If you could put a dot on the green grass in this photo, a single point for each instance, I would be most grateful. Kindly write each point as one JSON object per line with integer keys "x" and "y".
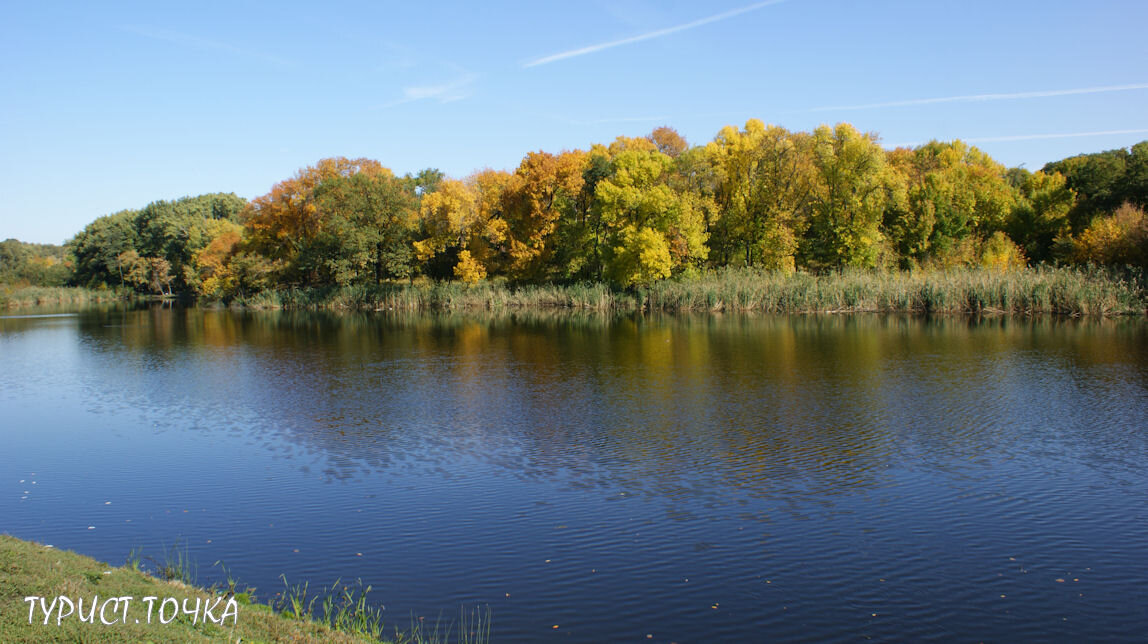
{"x": 1042, "y": 290}
{"x": 17, "y": 297}
{"x": 340, "y": 613}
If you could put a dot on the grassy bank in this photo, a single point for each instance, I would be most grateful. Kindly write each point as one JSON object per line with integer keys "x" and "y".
{"x": 1065, "y": 291}
{"x": 17, "y": 297}
{"x": 33, "y": 570}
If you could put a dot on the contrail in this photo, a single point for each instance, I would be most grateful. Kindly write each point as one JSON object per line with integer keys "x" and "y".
{"x": 651, "y": 35}
{"x": 973, "y": 98}
{"x": 201, "y": 43}
{"x": 1067, "y": 135}
{"x": 1028, "y": 137}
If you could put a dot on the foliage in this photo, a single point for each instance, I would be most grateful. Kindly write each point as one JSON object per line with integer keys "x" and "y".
{"x": 766, "y": 192}
{"x": 1103, "y": 181}
{"x": 468, "y": 269}
{"x": 281, "y": 223}
{"x": 952, "y": 191}
{"x": 1041, "y": 213}
{"x": 24, "y": 264}
{"x": 636, "y": 212}
{"x": 1117, "y": 239}
{"x": 850, "y": 190}
{"x": 1001, "y": 253}
{"x": 641, "y": 256}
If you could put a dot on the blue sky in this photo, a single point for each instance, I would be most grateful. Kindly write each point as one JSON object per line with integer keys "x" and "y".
{"x": 109, "y": 106}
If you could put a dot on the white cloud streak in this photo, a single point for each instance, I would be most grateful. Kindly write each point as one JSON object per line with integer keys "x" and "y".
{"x": 650, "y": 35}
{"x": 976, "y": 98}
{"x": 455, "y": 90}
{"x": 202, "y": 43}
{"x": 1030, "y": 137}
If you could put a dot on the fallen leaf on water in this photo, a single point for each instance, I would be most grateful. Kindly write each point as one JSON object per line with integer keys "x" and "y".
{"x": 1060, "y": 581}
{"x": 555, "y": 626}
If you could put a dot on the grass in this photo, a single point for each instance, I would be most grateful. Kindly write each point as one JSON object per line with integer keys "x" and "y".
{"x": 1042, "y": 290}
{"x": 340, "y": 613}
{"x": 18, "y": 297}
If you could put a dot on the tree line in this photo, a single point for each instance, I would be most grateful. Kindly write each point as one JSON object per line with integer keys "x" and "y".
{"x": 632, "y": 212}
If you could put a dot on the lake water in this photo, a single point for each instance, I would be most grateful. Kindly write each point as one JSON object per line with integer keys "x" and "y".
{"x": 686, "y": 479}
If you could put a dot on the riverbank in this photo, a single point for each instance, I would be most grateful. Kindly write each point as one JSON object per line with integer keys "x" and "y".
{"x": 91, "y": 601}
{"x": 1061, "y": 291}
{"x": 25, "y": 296}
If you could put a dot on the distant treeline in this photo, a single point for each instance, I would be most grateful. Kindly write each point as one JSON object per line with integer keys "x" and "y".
{"x": 630, "y": 213}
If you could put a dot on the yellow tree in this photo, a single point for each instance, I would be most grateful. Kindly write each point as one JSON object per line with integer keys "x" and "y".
{"x": 637, "y": 204}
{"x": 766, "y": 188}
{"x": 952, "y": 191}
{"x": 850, "y": 191}
{"x": 214, "y": 275}
{"x": 489, "y": 241}
{"x": 543, "y": 185}
{"x": 448, "y": 215}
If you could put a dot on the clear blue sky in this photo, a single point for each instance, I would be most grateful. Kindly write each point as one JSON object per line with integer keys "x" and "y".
{"x": 111, "y": 105}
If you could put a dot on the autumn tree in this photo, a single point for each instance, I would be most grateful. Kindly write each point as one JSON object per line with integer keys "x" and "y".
{"x": 177, "y": 230}
{"x": 286, "y": 220}
{"x": 1103, "y": 181}
{"x": 543, "y": 187}
{"x": 33, "y": 264}
{"x": 1040, "y": 216}
{"x": 766, "y": 191}
{"x": 1119, "y": 239}
{"x": 638, "y": 205}
{"x": 668, "y": 141}
{"x": 214, "y": 272}
{"x": 851, "y": 187}
{"x": 952, "y": 192}
{"x": 366, "y": 226}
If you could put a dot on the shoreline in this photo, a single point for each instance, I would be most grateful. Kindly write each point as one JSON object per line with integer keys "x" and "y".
{"x": 51, "y": 594}
{"x": 1067, "y": 291}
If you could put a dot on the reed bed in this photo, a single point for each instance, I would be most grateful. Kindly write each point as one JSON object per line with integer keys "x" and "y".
{"x": 1041, "y": 290}
{"x": 25, "y": 296}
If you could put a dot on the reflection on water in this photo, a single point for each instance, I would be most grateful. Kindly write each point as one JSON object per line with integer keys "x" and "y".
{"x": 825, "y": 477}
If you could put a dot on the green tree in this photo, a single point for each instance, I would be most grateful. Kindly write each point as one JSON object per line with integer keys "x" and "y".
{"x": 952, "y": 192}
{"x": 98, "y": 246}
{"x": 367, "y": 224}
{"x": 1040, "y": 216}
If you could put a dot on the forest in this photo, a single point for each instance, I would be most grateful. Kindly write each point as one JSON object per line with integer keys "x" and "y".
{"x": 630, "y": 213}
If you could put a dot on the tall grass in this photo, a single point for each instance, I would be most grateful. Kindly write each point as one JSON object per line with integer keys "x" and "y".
{"x": 344, "y": 607}
{"x": 56, "y": 295}
{"x": 1068, "y": 291}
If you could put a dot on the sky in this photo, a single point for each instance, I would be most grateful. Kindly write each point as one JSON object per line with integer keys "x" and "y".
{"x": 106, "y": 106}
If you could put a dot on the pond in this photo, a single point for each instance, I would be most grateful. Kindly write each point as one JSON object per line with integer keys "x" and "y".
{"x": 592, "y": 478}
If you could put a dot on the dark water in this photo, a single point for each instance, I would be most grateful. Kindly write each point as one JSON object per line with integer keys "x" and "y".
{"x": 690, "y": 479}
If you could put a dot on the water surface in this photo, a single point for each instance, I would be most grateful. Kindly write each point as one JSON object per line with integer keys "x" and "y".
{"x": 686, "y": 478}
